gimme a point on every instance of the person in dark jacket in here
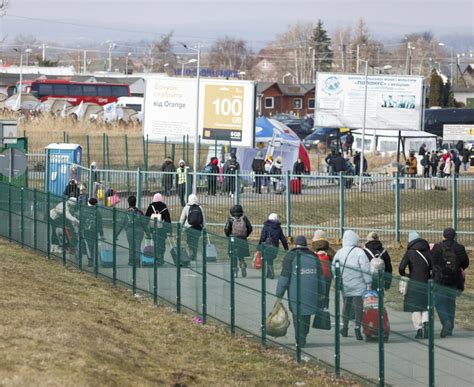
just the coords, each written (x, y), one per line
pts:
(418, 260)
(460, 146)
(422, 150)
(213, 170)
(357, 164)
(163, 228)
(338, 164)
(169, 168)
(434, 162)
(320, 247)
(465, 159)
(72, 189)
(231, 168)
(449, 278)
(299, 168)
(426, 164)
(277, 170)
(310, 285)
(91, 226)
(136, 226)
(457, 163)
(374, 248)
(271, 236)
(238, 228)
(258, 168)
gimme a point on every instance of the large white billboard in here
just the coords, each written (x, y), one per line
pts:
(393, 102)
(458, 132)
(226, 110)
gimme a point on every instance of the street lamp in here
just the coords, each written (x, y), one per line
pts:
(126, 62)
(27, 51)
(21, 72)
(196, 129)
(361, 166)
(111, 47)
(183, 63)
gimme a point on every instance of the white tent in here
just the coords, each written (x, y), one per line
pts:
(386, 141)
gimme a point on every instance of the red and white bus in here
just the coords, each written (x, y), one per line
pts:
(75, 92)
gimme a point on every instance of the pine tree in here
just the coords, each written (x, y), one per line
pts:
(448, 95)
(435, 95)
(321, 44)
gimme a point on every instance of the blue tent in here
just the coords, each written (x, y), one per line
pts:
(265, 128)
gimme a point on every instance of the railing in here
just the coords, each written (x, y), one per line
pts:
(209, 288)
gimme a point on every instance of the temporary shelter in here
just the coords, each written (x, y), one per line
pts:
(275, 135)
(17, 102)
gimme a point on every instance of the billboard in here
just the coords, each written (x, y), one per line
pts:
(226, 110)
(393, 102)
(458, 132)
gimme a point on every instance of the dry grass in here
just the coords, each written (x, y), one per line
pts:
(62, 328)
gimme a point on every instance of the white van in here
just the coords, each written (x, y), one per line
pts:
(135, 103)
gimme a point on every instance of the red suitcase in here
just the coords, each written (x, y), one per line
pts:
(295, 186)
(370, 324)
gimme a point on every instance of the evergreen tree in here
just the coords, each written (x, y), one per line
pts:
(321, 44)
(448, 95)
(435, 95)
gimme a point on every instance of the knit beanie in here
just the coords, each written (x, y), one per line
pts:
(412, 236)
(319, 235)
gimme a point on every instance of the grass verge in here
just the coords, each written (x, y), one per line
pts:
(63, 327)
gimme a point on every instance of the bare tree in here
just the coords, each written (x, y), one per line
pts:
(231, 53)
(363, 47)
(158, 53)
(340, 43)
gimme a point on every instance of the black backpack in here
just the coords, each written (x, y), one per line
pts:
(448, 270)
(195, 218)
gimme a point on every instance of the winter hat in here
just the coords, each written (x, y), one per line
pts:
(193, 199)
(319, 235)
(449, 233)
(157, 198)
(92, 202)
(132, 201)
(181, 162)
(273, 217)
(300, 240)
(215, 161)
(372, 236)
(412, 236)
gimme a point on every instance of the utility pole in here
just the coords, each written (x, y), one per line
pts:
(296, 66)
(344, 58)
(43, 57)
(313, 64)
(84, 66)
(358, 58)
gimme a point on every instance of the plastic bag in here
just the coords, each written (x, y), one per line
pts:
(278, 320)
(403, 285)
(100, 194)
(257, 260)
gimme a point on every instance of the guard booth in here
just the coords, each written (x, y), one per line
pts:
(9, 140)
(59, 160)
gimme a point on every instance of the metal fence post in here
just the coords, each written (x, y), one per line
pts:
(80, 238)
(64, 231)
(139, 188)
(96, 241)
(127, 167)
(166, 147)
(22, 220)
(380, 290)
(88, 154)
(341, 205)
(184, 149)
(263, 321)
(91, 183)
(298, 307)
(205, 237)
(173, 151)
(103, 150)
(337, 321)
(454, 204)
(134, 261)
(397, 207)
(47, 171)
(288, 203)
(107, 152)
(431, 348)
(114, 246)
(178, 268)
(10, 225)
(232, 286)
(48, 223)
(155, 261)
(237, 188)
(35, 220)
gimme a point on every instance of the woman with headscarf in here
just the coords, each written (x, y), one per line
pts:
(418, 260)
(158, 209)
(271, 236)
(193, 222)
(325, 254)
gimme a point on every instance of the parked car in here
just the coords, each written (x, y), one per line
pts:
(301, 127)
(323, 135)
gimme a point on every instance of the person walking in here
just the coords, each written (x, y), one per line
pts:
(465, 159)
(422, 150)
(56, 222)
(159, 211)
(231, 168)
(374, 249)
(456, 163)
(276, 171)
(418, 260)
(92, 227)
(426, 164)
(168, 168)
(356, 278)
(212, 170)
(349, 143)
(136, 226)
(271, 236)
(299, 168)
(434, 162)
(193, 221)
(356, 160)
(449, 262)
(238, 228)
(325, 253)
(412, 164)
(258, 168)
(182, 181)
(310, 285)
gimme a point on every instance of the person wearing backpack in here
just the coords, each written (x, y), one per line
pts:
(159, 211)
(325, 254)
(271, 236)
(379, 260)
(425, 163)
(193, 222)
(136, 226)
(237, 229)
(449, 261)
(91, 223)
(356, 278)
(418, 260)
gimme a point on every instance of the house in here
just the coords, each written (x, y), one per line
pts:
(274, 98)
(266, 68)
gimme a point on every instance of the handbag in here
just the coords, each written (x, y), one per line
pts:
(100, 194)
(403, 285)
(322, 320)
(278, 320)
(257, 260)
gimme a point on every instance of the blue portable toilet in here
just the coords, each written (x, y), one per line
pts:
(60, 158)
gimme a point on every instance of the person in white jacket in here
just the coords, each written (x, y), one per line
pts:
(356, 278)
(193, 222)
(56, 216)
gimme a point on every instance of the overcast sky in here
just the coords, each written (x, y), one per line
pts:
(257, 21)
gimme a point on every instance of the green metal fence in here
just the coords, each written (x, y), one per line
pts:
(108, 242)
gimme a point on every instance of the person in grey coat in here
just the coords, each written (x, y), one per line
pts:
(356, 278)
(311, 283)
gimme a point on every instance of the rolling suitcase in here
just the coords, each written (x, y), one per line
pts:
(295, 186)
(370, 317)
(147, 257)
(185, 259)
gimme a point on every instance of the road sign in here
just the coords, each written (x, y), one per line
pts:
(13, 163)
